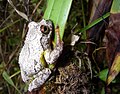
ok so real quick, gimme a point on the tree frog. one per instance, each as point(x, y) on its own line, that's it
point(37, 54)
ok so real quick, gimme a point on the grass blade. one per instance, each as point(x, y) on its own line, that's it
point(9, 80)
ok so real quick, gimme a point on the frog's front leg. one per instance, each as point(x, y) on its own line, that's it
point(51, 56)
point(39, 79)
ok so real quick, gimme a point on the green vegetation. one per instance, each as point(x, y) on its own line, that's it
point(82, 64)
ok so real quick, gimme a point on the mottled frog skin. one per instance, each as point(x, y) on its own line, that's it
point(37, 54)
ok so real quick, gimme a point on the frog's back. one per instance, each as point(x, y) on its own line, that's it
point(31, 51)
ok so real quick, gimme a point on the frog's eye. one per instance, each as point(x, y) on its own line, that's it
point(44, 29)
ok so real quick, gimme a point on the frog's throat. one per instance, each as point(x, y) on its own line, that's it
point(42, 59)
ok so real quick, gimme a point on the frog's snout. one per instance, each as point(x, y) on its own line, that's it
point(32, 24)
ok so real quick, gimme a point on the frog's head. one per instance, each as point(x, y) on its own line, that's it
point(46, 28)
point(32, 25)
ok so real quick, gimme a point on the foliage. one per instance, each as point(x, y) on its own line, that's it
point(9, 80)
point(57, 11)
point(72, 22)
point(115, 64)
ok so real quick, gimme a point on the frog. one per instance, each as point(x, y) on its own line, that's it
point(38, 56)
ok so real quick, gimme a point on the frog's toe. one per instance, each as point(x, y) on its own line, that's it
point(36, 83)
point(31, 87)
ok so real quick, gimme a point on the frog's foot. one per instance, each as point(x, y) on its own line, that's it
point(39, 79)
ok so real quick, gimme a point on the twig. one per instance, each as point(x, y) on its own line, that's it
point(35, 8)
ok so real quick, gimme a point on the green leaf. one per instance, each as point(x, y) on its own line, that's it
point(103, 91)
point(103, 75)
point(16, 73)
point(57, 11)
point(115, 6)
point(95, 22)
point(9, 80)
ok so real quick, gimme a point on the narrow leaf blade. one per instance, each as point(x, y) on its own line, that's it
point(57, 11)
point(9, 80)
point(95, 22)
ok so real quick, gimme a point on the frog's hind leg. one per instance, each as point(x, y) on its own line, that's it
point(39, 79)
